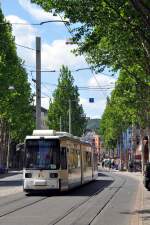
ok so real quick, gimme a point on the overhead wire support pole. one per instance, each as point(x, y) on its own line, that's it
point(70, 129)
point(60, 123)
point(38, 83)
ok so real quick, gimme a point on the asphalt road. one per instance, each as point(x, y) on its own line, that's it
point(109, 200)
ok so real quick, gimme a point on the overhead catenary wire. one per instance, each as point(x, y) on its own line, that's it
point(70, 31)
point(32, 82)
point(82, 88)
point(23, 46)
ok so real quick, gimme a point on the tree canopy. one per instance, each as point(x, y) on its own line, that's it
point(112, 33)
point(129, 105)
point(16, 113)
point(59, 107)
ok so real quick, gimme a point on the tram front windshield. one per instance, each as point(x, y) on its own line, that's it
point(42, 154)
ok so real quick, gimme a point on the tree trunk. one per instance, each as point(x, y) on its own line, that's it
point(3, 141)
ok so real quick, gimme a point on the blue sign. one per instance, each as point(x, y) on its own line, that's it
point(91, 100)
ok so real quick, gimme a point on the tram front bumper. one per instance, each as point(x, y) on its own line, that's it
point(33, 184)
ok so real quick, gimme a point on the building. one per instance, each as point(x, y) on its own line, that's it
point(91, 135)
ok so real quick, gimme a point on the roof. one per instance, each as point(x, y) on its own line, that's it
point(52, 134)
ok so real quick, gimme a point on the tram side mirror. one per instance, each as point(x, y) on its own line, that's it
point(20, 147)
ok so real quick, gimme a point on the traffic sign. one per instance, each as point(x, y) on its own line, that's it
point(91, 100)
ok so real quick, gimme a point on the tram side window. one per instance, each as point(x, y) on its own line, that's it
point(88, 159)
point(74, 159)
point(63, 159)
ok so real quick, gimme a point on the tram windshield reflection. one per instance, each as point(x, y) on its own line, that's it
point(42, 154)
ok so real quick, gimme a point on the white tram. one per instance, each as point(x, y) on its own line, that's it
point(57, 161)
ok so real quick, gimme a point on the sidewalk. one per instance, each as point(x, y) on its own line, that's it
point(141, 212)
point(144, 212)
point(10, 183)
point(11, 172)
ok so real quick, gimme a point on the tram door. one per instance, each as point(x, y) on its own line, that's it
point(63, 171)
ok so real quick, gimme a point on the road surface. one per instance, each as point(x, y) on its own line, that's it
point(110, 200)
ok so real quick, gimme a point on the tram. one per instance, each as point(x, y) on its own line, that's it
point(57, 161)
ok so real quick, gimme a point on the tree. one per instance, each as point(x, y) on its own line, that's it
point(16, 111)
point(112, 33)
point(115, 34)
point(129, 106)
point(59, 107)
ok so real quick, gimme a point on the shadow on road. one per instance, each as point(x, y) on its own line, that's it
point(102, 174)
point(9, 183)
point(144, 213)
point(88, 189)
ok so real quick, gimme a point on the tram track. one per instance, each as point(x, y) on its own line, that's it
point(19, 207)
point(79, 219)
point(12, 201)
point(109, 200)
point(75, 207)
point(60, 219)
point(8, 203)
point(8, 207)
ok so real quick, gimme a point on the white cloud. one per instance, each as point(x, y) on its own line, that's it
point(105, 84)
point(96, 109)
point(45, 102)
point(53, 55)
point(37, 12)
point(58, 53)
point(101, 80)
point(24, 35)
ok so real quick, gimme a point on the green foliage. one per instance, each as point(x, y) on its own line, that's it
point(59, 107)
point(111, 33)
point(129, 105)
point(15, 105)
point(115, 34)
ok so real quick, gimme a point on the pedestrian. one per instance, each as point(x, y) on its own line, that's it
point(103, 164)
point(131, 166)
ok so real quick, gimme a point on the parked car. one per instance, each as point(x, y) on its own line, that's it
point(146, 180)
point(3, 169)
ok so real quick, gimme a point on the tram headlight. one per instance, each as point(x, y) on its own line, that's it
point(28, 175)
point(53, 175)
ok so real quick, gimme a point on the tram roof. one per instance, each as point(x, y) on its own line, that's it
point(52, 134)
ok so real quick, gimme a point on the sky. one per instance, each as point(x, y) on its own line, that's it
point(55, 53)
